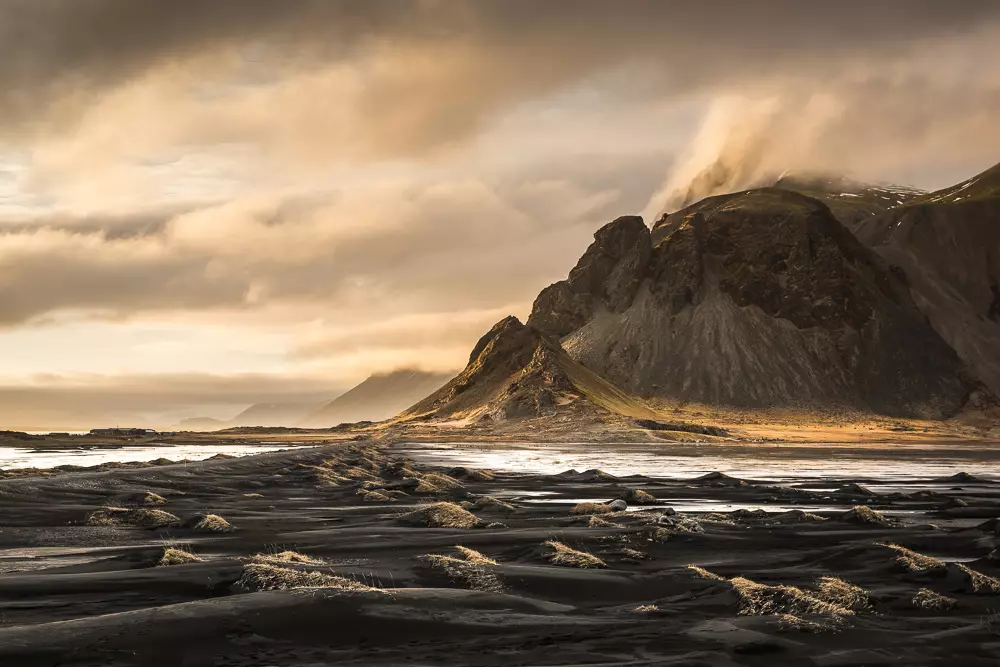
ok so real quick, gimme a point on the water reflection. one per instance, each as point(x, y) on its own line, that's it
point(17, 457)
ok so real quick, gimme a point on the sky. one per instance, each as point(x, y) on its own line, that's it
point(209, 204)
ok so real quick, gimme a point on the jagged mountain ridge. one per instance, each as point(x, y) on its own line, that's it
point(948, 245)
point(514, 372)
point(759, 298)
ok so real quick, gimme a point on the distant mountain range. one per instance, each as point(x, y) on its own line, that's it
point(379, 397)
point(816, 292)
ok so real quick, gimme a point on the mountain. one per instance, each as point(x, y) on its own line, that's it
point(379, 397)
point(947, 243)
point(758, 298)
point(514, 372)
point(274, 414)
point(200, 424)
point(851, 202)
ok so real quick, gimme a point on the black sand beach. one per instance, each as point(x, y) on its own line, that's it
point(347, 554)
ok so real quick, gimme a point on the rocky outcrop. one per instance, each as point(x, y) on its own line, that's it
point(948, 246)
point(755, 299)
point(516, 372)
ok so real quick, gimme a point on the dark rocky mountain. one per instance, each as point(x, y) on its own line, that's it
point(514, 372)
point(851, 202)
point(759, 298)
point(379, 397)
point(948, 245)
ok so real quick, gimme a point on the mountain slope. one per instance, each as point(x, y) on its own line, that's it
point(760, 298)
point(379, 397)
point(513, 373)
point(851, 202)
point(948, 245)
point(273, 414)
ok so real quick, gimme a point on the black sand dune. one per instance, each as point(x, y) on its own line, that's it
point(347, 555)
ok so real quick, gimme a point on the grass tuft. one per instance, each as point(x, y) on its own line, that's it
point(981, 583)
point(591, 508)
point(286, 558)
point(268, 577)
point(843, 594)
point(911, 561)
point(566, 556)
point(473, 569)
point(865, 515)
point(123, 516)
point(177, 556)
point(440, 515)
point(213, 523)
point(763, 600)
point(705, 574)
point(928, 599)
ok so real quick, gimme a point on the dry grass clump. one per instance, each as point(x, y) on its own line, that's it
point(598, 522)
point(440, 515)
point(473, 556)
point(473, 569)
point(212, 523)
point(793, 622)
point(646, 609)
point(268, 577)
point(911, 561)
point(441, 481)
point(763, 600)
point(147, 498)
point(634, 555)
point(591, 508)
point(981, 583)
point(866, 516)
point(568, 557)
point(705, 574)
point(123, 516)
point(638, 497)
point(285, 558)
point(928, 599)
point(843, 594)
point(491, 503)
point(177, 556)
point(375, 497)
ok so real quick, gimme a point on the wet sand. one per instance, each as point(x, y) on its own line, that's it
point(79, 594)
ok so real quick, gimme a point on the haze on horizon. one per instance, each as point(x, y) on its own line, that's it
point(209, 204)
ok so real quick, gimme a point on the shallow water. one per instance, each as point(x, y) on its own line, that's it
point(24, 457)
point(654, 460)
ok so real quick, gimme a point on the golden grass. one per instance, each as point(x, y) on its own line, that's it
point(705, 574)
point(639, 497)
point(491, 503)
point(843, 594)
point(268, 577)
point(123, 516)
point(911, 560)
point(473, 569)
point(981, 583)
point(866, 516)
point(441, 481)
point(646, 609)
point(285, 558)
point(634, 554)
point(566, 556)
point(440, 515)
point(793, 622)
point(213, 523)
point(928, 599)
point(376, 497)
point(758, 599)
point(177, 556)
point(591, 508)
point(147, 498)
point(598, 522)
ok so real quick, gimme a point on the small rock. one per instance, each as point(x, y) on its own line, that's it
point(618, 505)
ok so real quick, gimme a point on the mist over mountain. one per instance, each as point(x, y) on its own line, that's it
point(379, 397)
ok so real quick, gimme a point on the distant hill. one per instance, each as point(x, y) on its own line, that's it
point(947, 243)
point(754, 299)
point(200, 424)
point(274, 414)
point(379, 397)
point(852, 202)
point(514, 372)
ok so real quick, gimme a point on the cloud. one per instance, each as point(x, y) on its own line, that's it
point(76, 402)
